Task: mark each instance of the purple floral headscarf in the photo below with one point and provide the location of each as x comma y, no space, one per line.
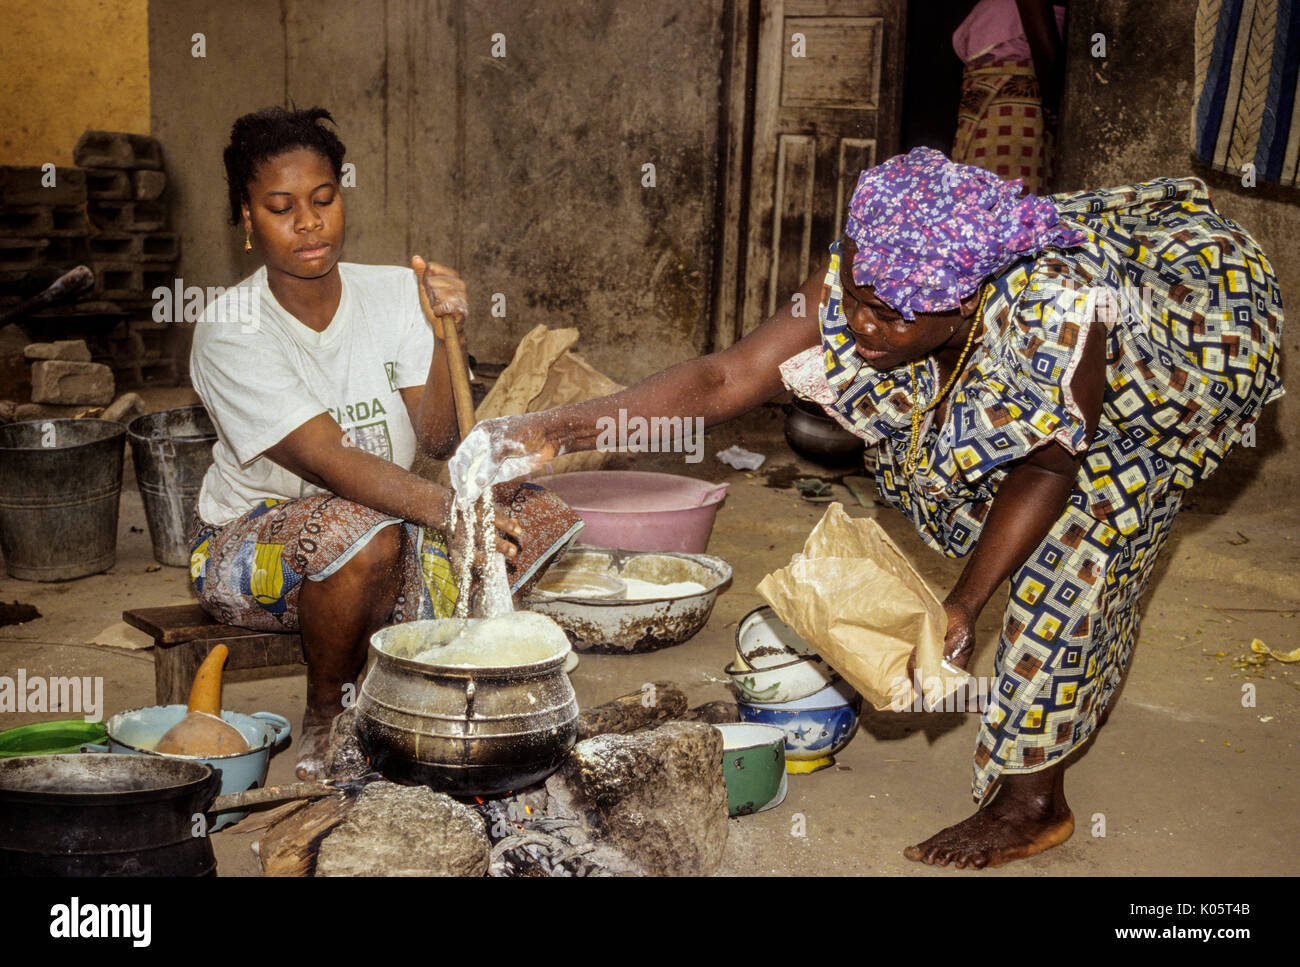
929,230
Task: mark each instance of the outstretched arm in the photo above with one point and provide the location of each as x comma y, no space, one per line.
717,387
1029,501
319,453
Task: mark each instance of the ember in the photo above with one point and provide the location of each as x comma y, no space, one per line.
528,842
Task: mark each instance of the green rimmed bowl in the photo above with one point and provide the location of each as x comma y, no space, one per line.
753,763
64,737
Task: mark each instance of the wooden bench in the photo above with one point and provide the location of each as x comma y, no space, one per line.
183,634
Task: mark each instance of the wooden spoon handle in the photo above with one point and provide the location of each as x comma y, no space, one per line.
445,330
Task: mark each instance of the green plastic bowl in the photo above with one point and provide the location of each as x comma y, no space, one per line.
51,738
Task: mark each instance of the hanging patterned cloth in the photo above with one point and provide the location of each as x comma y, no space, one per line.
1247,109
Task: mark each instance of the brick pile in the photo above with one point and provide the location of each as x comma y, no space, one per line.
109,213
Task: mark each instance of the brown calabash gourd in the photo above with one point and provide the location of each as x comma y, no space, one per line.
203,732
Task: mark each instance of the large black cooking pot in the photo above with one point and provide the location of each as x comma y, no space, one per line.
105,815
466,731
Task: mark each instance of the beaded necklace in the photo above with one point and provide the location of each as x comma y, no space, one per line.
913,444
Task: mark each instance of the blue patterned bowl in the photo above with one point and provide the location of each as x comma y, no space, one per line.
815,727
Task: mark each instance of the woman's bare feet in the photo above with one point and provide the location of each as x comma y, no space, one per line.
1029,815
313,750
336,618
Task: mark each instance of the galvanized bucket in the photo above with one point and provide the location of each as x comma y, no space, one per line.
172,450
60,481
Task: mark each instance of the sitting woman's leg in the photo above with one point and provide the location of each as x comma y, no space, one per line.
323,566
337,616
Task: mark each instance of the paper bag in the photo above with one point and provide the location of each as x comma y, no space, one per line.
856,600
543,375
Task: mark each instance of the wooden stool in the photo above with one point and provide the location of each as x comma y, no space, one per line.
183,634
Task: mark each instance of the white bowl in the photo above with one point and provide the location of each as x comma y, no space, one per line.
784,683
765,641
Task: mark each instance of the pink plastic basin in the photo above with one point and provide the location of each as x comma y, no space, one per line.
640,511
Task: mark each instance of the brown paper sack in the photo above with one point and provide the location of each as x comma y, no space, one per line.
543,375
856,600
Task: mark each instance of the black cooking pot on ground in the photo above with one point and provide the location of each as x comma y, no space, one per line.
817,437
105,815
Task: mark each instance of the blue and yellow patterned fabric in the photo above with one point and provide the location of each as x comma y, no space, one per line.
250,572
1193,327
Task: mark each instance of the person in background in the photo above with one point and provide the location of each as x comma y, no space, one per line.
1011,88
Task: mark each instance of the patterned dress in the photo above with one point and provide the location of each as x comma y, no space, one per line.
1193,318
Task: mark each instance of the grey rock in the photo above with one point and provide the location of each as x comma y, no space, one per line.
346,759
126,408
148,184
655,801
73,350
406,831
62,381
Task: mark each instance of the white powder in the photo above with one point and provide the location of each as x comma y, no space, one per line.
638,590
517,638
474,472
580,584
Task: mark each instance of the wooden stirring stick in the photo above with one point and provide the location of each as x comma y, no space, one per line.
445,329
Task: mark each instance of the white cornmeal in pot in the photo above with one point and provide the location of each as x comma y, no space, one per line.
518,638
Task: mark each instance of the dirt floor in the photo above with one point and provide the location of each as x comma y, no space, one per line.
1184,779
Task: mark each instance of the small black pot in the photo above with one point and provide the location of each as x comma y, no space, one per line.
817,437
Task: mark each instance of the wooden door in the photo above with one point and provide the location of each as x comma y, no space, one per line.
827,97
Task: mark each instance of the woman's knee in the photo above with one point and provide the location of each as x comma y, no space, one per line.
378,560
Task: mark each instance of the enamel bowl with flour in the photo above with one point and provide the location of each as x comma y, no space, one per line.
471,707
617,602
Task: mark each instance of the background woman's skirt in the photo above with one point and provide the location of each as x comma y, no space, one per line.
1000,125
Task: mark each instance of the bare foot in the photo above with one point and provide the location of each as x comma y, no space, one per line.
314,748
1028,816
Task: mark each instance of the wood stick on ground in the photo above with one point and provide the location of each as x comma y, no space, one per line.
654,702
255,797
290,847
262,818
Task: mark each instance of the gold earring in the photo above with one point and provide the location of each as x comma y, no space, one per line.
248,242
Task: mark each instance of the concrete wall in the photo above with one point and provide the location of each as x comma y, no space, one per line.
68,67
524,171
1127,118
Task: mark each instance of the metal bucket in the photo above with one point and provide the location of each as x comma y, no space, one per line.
172,451
60,482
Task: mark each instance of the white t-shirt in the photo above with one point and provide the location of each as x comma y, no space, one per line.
262,374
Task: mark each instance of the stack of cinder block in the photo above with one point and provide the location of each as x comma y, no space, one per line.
67,384
42,223
131,251
110,213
